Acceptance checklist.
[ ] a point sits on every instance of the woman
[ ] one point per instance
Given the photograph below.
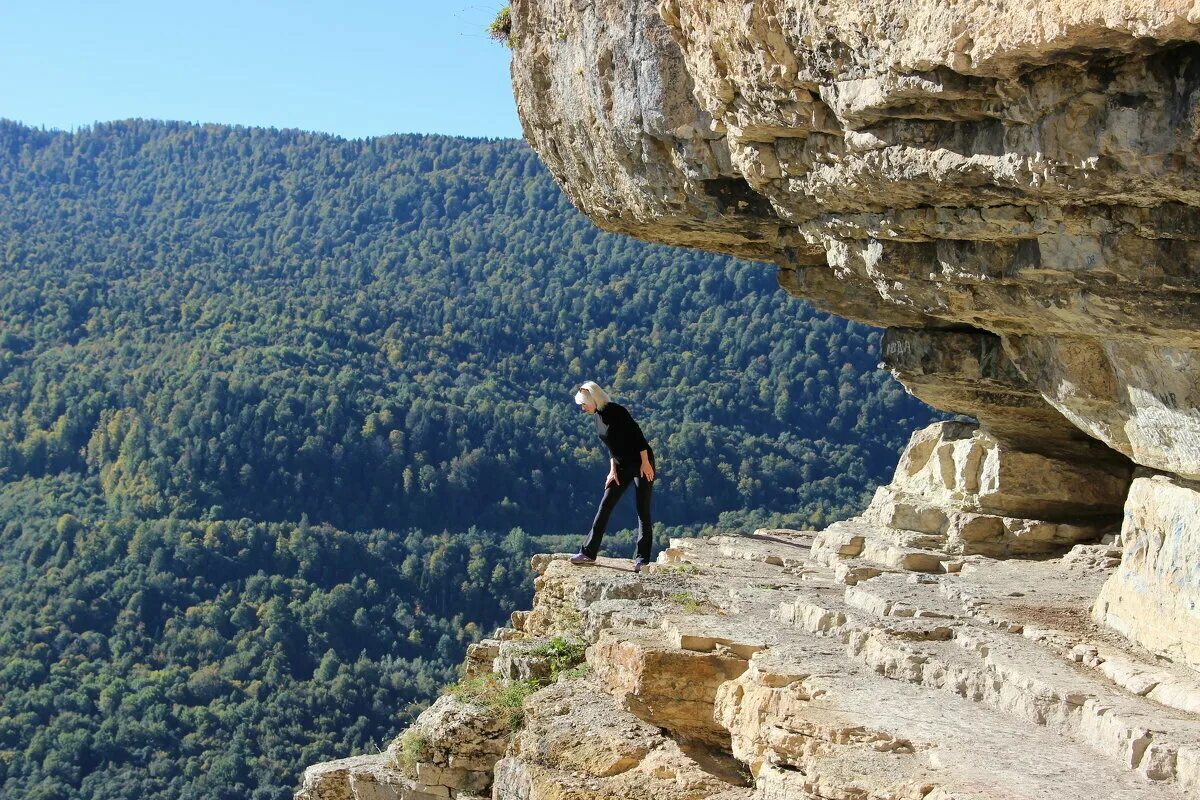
(631, 461)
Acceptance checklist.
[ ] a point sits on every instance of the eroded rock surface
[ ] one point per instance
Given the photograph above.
(450, 751)
(1153, 598)
(1012, 189)
(753, 667)
(579, 743)
(1029, 172)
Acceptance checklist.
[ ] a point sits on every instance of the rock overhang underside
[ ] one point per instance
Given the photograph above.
(1018, 172)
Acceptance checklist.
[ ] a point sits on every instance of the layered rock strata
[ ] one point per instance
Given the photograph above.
(752, 667)
(1159, 578)
(968, 372)
(958, 491)
(449, 752)
(1011, 189)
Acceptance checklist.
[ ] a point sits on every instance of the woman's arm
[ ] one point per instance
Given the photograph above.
(647, 470)
(633, 434)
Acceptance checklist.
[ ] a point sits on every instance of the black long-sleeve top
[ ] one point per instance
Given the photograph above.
(621, 434)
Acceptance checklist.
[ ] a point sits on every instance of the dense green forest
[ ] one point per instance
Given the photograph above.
(282, 417)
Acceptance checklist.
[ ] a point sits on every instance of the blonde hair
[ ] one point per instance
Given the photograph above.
(596, 392)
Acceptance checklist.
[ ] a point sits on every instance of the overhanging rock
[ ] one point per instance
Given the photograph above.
(1018, 184)
(1032, 174)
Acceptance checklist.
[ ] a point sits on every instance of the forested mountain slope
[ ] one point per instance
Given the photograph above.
(256, 386)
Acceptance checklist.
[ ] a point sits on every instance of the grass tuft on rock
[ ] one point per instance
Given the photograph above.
(506, 699)
(689, 602)
(678, 569)
(580, 670)
(561, 653)
(500, 28)
(498, 699)
(412, 749)
(572, 621)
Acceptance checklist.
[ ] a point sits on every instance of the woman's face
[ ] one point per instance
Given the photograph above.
(588, 404)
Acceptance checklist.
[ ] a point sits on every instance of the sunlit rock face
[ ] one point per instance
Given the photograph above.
(1011, 188)
(1025, 170)
(764, 666)
(1154, 596)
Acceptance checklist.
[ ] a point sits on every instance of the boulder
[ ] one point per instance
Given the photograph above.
(1154, 596)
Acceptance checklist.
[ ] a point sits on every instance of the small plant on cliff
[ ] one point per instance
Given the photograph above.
(497, 698)
(506, 699)
(679, 569)
(689, 602)
(500, 28)
(571, 621)
(412, 748)
(580, 670)
(561, 653)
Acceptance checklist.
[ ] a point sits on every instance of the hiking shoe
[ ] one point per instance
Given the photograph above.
(579, 559)
(638, 563)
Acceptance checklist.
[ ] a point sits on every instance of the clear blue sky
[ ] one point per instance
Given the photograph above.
(355, 68)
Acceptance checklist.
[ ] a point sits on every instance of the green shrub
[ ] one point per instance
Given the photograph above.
(499, 700)
(412, 748)
(562, 653)
(500, 28)
(505, 700)
(688, 602)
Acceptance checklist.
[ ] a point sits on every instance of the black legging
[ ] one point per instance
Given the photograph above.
(612, 493)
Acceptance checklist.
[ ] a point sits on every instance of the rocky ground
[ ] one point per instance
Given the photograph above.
(792, 664)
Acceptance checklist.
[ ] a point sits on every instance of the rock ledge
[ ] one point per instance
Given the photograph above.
(759, 666)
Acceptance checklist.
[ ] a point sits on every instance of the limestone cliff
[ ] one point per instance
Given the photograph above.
(1011, 189)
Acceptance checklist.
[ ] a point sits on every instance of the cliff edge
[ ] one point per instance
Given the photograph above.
(790, 664)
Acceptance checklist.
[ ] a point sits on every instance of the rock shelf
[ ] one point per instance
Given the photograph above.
(741, 666)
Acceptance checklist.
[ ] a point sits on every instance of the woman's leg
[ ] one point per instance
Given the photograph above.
(612, 493)
(645, 541)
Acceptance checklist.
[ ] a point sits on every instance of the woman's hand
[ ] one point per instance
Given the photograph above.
(611, 479)
(647, 470)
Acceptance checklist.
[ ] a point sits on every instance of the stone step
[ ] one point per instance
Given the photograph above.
(983, 592)
(778, 547)
(950, 637)
(969, 530)
(957, 633)
(885, 552)
(1052, 611)
(885, 735)
(1009, 672)
(826, 676)
(726, 552)
(807, 721)
(885, 548)
(372, 776)
(662, 684)
(577, 741)
(899, 595)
